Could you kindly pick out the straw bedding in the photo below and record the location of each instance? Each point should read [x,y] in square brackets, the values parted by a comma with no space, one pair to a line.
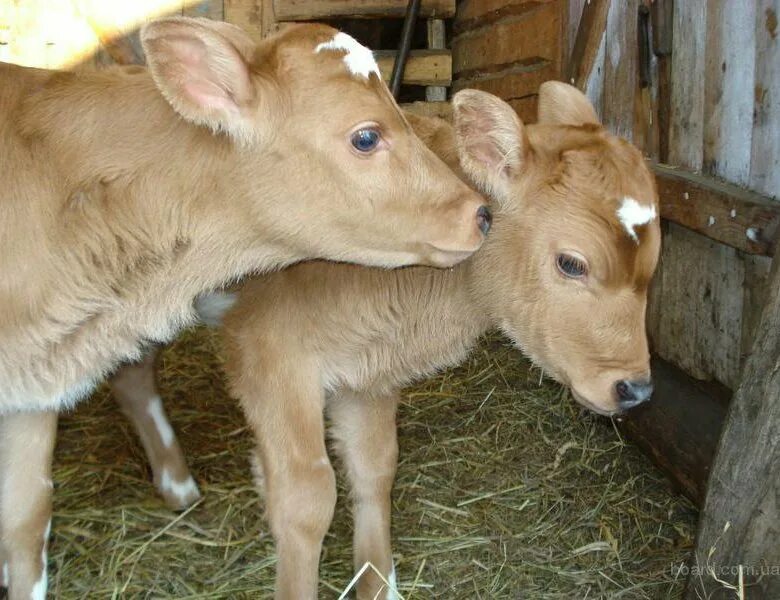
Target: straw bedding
[505,489]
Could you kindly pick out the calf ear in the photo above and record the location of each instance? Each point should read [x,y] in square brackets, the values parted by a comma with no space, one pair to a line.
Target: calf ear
[201,68]
[490,139]
[563,104]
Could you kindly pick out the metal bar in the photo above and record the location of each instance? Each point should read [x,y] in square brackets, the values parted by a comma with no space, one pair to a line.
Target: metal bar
[412,10]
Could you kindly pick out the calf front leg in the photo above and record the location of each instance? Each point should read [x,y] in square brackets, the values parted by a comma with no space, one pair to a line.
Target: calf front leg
[364,429]
[26,449]
[135,388]
[283,404]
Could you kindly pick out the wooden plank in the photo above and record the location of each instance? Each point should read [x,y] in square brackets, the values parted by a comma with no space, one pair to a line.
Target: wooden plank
[442,110]
[620,68]
[587,41]
[437,41]
[724,212]
[423,67]
[679,428]
[208,9]
[765,160]
[699,315]
[594,88]
[572,26]
[740,524]
[687,103]
[533,35]
[728,91]
[512,84]
[256,17]
[473,14]
[312,10]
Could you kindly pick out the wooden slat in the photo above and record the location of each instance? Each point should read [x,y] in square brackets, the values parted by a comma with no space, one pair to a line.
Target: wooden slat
[209,9]
[312,10]
[687,104]
[724,212]
[699,313]
[437,40]
[586,44]
[442,110]
[728,91]
[423,67]
[535,34]
[473,14]
[765,162]
[620,68]
[740,523]
[256,17]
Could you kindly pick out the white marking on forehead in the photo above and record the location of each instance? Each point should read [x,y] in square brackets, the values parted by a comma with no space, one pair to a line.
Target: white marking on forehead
[359,59]
[632,214]
[155,410]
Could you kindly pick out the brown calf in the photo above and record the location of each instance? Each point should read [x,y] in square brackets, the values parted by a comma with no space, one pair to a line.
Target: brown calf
[126,193]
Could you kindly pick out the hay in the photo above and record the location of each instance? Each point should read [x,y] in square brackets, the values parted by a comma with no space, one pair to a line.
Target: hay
[505,489]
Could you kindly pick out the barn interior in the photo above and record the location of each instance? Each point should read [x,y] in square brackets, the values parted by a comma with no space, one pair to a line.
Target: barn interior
[506,487]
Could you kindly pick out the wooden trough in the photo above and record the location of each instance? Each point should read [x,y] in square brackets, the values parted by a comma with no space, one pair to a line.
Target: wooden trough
[696,85]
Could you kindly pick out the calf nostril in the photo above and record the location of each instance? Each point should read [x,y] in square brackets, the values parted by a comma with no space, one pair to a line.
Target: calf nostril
[484,219]
[631,393]
[623,390]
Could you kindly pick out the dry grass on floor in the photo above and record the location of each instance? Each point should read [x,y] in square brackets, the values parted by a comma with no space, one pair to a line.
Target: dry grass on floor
[505,489]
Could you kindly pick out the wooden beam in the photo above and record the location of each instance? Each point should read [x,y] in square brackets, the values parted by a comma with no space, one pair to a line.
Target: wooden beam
[721,211]
[423,67]
[586,45]
[739,528]
[312,10]
[475,14]
[679,428]
[436,41]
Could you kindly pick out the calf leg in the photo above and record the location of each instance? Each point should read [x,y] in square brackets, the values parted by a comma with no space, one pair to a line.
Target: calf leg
[364,429]
[26,449]
[284,408]
[135,389]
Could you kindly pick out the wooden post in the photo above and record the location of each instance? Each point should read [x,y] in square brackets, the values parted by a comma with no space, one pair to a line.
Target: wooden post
[436,41]
[738,544]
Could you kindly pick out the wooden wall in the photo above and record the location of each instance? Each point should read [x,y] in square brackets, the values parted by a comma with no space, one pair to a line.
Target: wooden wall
[508,48]
[722,98]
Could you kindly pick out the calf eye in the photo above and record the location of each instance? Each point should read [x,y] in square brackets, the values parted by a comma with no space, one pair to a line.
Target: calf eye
[571,266]
[365,140]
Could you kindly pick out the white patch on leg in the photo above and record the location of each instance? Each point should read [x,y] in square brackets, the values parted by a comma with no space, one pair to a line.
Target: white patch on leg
[39,588]
[4,576]
[183,490]
[358,59]
[155,410]
[392,590]
[632,214]
[212,307]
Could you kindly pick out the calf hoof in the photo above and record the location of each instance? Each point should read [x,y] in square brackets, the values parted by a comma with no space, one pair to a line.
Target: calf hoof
[179,494]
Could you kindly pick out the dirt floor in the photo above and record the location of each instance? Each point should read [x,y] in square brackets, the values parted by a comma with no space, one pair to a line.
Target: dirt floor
[506,489]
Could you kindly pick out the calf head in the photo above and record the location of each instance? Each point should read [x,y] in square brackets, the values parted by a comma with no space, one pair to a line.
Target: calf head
[321,156]
[575,244]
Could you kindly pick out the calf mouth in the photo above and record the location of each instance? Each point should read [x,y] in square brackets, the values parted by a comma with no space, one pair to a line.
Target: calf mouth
[580,399]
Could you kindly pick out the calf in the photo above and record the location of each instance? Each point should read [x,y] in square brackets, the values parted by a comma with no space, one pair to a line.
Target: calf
[564,274]
[126,193]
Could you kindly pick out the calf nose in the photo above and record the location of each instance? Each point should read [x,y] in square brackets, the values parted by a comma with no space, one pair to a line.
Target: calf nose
[632,393]
[484,219]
